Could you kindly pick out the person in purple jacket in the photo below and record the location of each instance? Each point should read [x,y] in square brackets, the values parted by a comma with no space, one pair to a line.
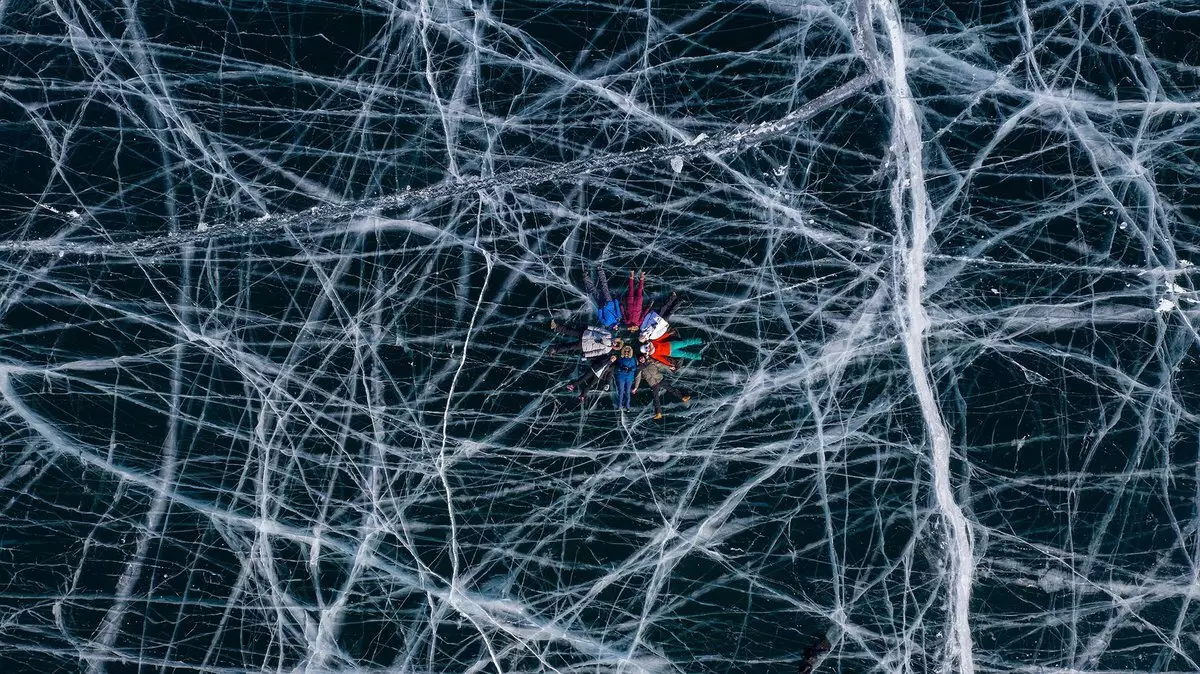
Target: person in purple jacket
[654,324]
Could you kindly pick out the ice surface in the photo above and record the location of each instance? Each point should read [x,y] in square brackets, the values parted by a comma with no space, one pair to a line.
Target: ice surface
[276,286]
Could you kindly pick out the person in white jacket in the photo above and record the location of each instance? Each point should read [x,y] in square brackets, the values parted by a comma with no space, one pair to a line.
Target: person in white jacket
[654,323]
[592,342]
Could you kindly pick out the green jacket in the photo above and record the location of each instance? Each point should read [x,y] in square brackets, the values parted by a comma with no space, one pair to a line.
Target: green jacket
[651,373]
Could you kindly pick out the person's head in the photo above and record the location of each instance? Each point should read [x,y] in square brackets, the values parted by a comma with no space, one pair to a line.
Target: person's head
[642,337]
[627,352]
[618,344]
[614,327]
[645,349]
[635,329]
[642,359]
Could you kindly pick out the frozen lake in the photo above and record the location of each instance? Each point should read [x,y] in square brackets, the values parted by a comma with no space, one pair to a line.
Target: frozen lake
[275,290]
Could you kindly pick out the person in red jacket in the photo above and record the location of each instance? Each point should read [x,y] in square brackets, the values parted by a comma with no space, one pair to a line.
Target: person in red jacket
[662,349]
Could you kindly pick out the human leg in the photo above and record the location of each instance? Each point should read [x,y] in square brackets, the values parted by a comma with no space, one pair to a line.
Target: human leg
[605,294]
[670,306]
[575,331]
[638,296]
[568,347]
[590,286]
[678,349]
[629,296]
[667,389]
[583,382]
[656,391]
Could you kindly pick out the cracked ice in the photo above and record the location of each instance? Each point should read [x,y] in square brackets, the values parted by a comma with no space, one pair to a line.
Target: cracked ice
[277,280]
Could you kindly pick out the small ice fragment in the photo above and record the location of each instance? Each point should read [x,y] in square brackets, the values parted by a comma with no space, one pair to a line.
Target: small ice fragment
[698,139]
[1175,288]
[677,163]
[1164,305]
[995,292]
[202,227]
[62,253]
[73,213]
[1185,263]
[780,170]
[1124,225]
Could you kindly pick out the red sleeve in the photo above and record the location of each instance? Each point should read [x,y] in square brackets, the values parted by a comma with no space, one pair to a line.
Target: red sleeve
[660,357]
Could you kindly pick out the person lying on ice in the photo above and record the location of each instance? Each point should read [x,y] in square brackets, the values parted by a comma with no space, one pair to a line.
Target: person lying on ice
[651,372]
[654,323]
[626,372]
[634,309]
[662,349]
[592,342]
[608,310]
[597,372]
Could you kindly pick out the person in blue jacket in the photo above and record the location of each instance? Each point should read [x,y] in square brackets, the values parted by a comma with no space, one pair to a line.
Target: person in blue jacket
[626,373]
[608,310]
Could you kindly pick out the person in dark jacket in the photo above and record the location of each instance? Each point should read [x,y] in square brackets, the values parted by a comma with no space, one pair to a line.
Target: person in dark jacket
[608,310]
[626,372]
[652,373]
[597,373]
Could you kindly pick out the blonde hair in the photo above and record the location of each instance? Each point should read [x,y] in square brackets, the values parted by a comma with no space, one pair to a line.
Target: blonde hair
[627,352]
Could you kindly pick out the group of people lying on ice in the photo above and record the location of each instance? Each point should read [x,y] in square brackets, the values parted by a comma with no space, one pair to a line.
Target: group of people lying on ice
[644,357]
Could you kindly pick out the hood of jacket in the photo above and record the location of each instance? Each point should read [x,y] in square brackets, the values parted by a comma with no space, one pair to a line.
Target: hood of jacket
[610,314]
